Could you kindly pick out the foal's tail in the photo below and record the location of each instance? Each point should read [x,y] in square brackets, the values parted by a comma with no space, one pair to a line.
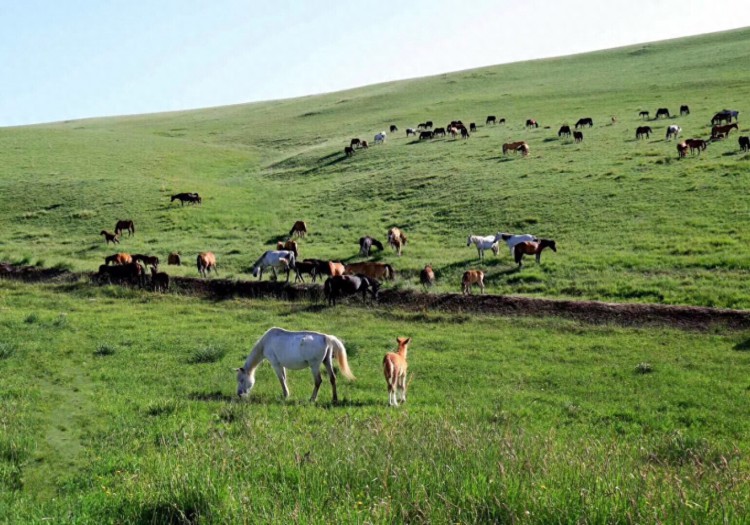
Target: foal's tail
[339,353]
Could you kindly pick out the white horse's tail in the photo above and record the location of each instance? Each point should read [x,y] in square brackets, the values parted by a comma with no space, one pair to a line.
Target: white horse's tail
[339,353]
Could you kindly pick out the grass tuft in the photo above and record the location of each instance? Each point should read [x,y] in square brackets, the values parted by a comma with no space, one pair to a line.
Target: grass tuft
[104,349]
[208,354]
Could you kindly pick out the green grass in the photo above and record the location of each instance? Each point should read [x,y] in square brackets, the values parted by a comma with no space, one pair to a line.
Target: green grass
[632,222]
[119,406]
[508,419]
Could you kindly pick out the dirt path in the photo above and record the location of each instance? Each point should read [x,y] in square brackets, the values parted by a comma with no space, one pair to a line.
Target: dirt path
[626,314]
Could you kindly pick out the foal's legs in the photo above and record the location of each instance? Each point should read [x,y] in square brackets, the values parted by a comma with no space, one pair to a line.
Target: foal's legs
[318,380]
[402,387]
[281,373]
[328,360]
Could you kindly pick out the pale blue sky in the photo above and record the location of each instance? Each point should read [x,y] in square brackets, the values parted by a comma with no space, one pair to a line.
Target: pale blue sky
[75,59]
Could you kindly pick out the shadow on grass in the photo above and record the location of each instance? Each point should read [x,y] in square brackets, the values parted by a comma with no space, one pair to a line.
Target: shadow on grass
[744,346]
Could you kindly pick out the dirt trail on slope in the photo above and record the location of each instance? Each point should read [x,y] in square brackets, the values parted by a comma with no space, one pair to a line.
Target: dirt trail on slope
[595,312]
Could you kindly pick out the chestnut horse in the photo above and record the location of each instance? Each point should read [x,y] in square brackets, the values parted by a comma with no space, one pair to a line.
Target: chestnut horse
[290,246]
[118,259]
[395,370]
[513,146]
[682,149]
[471,277]
[532,248]
[427,276]
[205,262]
[174,258]
[373,270]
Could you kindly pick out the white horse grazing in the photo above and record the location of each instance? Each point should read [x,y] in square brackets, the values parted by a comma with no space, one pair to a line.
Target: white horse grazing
[380,137]
[282,259]
[294,350]
[673,131]
[490,242]
[511,240]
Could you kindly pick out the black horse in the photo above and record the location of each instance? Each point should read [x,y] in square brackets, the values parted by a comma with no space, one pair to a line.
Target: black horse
[343,285]
[662,112]
[366,243]
[684,110]
[586,121]
[394,128]
[491,119]
[564,130]
[190,198]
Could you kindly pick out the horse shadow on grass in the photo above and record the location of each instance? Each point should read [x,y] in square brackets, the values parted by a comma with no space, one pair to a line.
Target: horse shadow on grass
[744,346]
[337,159]
[277,238]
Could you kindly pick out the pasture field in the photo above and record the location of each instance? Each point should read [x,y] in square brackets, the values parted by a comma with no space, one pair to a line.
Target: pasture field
[118,407]
[632,222]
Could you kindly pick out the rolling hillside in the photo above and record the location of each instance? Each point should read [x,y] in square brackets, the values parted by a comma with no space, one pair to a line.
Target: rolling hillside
[632,222]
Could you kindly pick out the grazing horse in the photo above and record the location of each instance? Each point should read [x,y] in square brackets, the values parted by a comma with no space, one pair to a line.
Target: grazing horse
[131,273]
[427,276]
[512,146]
[501,121]
[380,137]
[684,110]
[488,242]
[725,129]
[294,350]
[147,260]
[174,258]
[644,115]
[118,259]
[307,266]
[511,240]
[364,144]
[585,121]
[470,278]
[354,142]
[366,243]
[421,126]
[125,225]
[411,131]
[531,123]
[673,131]
[523,149]
[373,270]
[159,280]
[393,128]
[662,112]
[205,262]
[396,239]
[725,115]
[290,246]
[343,285]
[745,143]
[696,145]
[491,119]
[578,136]
[282,259]
[190,198]
[464,133]
[348,151]
[532,248]
[109,237]
[395,370]
[564,130]
[682,149]
[472,126]
[426,135]
[299,229]
[428,124]
[335,268]
[642,131]
[439,131]
[316,267]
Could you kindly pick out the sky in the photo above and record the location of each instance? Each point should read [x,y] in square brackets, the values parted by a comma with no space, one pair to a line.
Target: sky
[71,59]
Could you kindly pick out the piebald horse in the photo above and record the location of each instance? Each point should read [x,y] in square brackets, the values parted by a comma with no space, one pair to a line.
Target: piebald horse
[295,351]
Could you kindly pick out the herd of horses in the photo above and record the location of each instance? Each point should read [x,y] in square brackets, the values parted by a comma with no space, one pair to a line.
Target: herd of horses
[426,131]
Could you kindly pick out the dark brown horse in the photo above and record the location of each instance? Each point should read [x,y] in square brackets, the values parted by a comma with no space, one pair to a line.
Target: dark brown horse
[643,132]
[159,280]
[531,123]
[343,285]
[725,129]
[299,229]
[109,237]
[745,143]
[564,130]
[427,276]
[696,145]
[131,273]
[366,243]
[126,224]
[147,260]
[354,142]
[644,114]
[585,121]
[348,151]
[190,198]
[532,248]
[578,136]
[174,258]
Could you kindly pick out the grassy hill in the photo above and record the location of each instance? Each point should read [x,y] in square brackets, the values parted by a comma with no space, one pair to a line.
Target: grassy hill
[117,404]
[632,222]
